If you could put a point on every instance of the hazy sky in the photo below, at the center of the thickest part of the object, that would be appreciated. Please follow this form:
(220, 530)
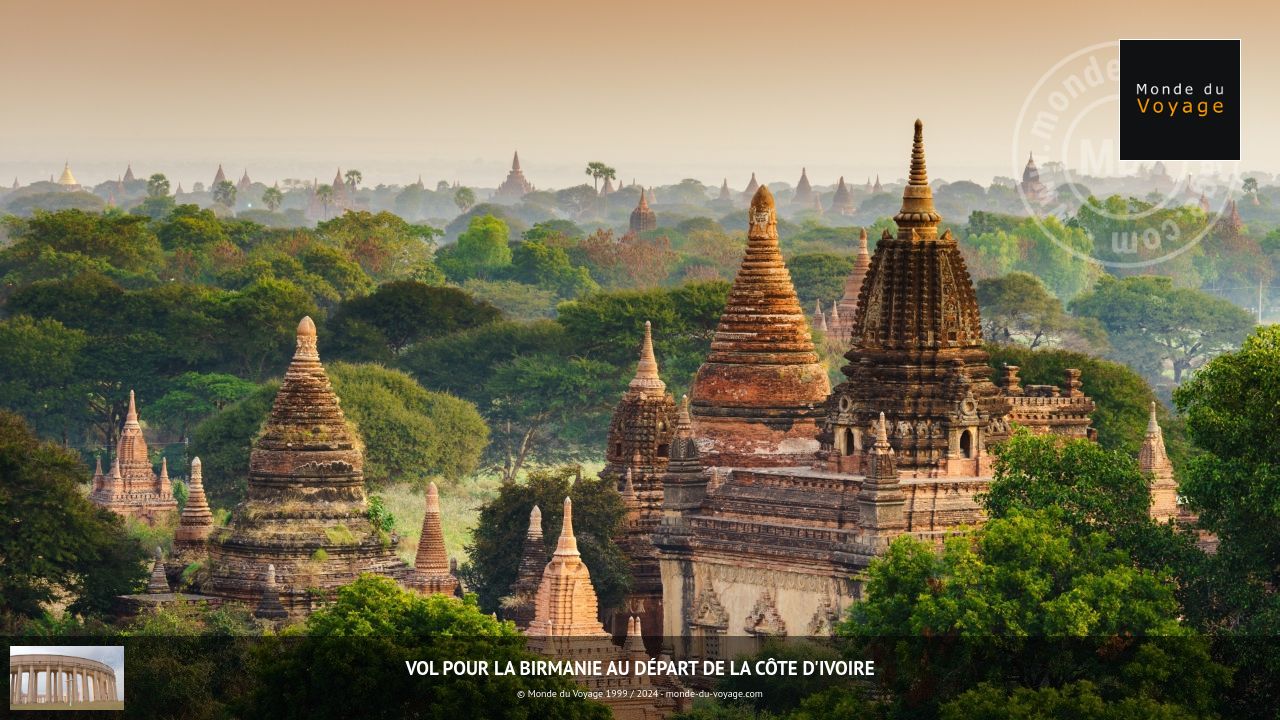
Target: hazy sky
(659, 89)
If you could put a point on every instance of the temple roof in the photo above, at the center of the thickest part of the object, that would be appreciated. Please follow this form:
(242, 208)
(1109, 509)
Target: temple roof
(566, 603)
(128, 174)
(67, 179)
(1030, 174)
(1152, 456)
(917, 294)
(646, 380)
(219, 176)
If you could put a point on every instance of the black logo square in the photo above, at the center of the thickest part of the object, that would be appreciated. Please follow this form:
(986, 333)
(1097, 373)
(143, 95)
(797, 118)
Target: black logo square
(1179, 99)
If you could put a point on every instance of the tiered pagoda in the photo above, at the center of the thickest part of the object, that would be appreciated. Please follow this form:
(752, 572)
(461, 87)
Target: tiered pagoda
(566, 626)
(218, 177)
(515, 186)
(752, 186)
(803, 196)
(519, 606)
(190, 539)
(305, 512)
(758, 397)
(643, 218)
(431, 569)
(132, 488)
(842, 201)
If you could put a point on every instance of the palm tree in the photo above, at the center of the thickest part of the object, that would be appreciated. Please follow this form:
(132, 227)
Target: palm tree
(224, 193)
(325, 193)
(353, 178)
(272, 198)
(464, 198)
(157, 186)
(597, 170)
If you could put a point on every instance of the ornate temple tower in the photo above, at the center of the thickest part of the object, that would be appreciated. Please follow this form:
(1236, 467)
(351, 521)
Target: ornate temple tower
(758, 398)
(842, 200)
(533, 558)
(1153, 460)
(218, 177)
(196, 522)
(566, 605)
(639, 449)
(917, 352)
(515, 186)
(431, 569)
(804, 191)
(752, 186)
(133, 489)
(305, 511)
(1031, 188)
(643, 218)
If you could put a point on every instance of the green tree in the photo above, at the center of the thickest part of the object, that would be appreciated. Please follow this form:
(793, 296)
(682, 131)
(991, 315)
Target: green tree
(189, 227)
(398, 314)
(43, 378)
(1151, 323)
(272, 198)
(464, 198)
(157, 186)
(121, 245)
(481, 251)
(385, 245)
(194, 396)
(1026, 602)
(224, 193)
(1018, 309)
(538, 402)
(325, 194)
(1093, 489)
(1122, 397)
(1232, 406)
(350, 657)
(598, 513)
(409, 434)
(259, 325)
(536, 263)
(819, 277)
(55, 546)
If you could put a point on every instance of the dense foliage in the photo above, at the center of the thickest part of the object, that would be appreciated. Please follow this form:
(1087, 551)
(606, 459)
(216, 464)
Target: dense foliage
(494, 552)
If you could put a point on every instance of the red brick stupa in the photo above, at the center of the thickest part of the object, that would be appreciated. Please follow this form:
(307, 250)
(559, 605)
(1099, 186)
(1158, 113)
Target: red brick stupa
(757, 399)
(305, 512)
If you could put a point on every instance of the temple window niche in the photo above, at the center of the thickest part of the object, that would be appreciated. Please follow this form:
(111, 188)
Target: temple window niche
(966, 443)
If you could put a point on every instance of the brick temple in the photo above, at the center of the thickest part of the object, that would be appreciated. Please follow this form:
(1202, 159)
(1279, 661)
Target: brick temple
(132, 488)
(778, 491)
(515, 186)
(305, 513)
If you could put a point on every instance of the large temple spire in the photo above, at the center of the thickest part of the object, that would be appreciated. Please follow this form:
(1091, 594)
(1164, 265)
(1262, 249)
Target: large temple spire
(646, 379)
(756, 396)
(917, 218)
